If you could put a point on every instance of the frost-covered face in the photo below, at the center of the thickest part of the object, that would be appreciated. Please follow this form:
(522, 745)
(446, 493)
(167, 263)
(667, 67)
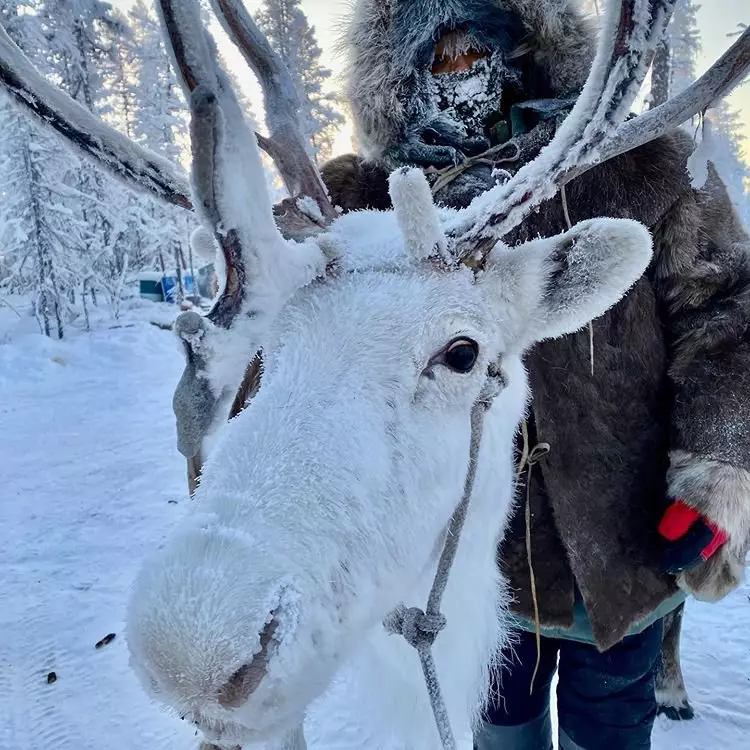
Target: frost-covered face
(469, 81)
(324, 501)
(472, 95)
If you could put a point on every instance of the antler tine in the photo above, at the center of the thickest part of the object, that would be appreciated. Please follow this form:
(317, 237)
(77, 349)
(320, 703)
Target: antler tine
(228, 177)
(135, 165)
(630, 33)
(286, 145)
(716, 83)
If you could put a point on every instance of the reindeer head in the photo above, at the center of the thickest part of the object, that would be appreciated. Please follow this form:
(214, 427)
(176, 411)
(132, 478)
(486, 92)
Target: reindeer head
(327, 497)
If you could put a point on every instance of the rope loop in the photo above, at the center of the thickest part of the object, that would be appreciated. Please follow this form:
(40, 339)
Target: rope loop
(416, 626)
(538, 453)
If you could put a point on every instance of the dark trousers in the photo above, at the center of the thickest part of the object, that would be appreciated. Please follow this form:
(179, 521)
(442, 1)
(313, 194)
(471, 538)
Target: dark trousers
(605, 701)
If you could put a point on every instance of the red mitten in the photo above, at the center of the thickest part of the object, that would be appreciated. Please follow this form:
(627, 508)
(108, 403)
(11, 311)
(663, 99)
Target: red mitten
(690, 538)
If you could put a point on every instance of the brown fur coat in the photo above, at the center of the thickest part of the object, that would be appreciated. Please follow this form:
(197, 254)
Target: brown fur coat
(666, 413)
(671, 382)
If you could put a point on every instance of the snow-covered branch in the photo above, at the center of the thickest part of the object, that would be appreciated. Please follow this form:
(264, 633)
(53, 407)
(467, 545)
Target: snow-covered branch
(286, 144)
(134, 164)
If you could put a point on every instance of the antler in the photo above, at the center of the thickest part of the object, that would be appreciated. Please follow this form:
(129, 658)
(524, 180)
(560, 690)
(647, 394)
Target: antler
(594, 131)
(130, 162)
(231, 196)
(286, 146)
(629, 35)
(228, 176)
(718, 81)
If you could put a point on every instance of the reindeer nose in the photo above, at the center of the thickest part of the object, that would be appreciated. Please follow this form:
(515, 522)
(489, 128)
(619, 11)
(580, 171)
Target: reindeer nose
(245, 681)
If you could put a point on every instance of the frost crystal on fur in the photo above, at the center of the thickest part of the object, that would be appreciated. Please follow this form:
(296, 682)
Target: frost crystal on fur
(417, 215)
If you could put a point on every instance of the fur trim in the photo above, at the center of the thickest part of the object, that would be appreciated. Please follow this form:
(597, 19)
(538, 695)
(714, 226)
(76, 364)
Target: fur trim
(713, 580)
(390, 45)
(721, 493)
(717, 490)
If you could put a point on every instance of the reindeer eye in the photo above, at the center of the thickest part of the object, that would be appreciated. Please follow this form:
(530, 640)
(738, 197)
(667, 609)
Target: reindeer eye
(461, 355)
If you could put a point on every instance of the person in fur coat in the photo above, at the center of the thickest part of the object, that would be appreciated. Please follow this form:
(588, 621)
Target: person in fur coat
(635, 486)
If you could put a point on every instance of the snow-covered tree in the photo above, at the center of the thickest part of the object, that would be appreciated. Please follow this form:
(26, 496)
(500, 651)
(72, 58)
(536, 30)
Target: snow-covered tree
(161, 124)
(68, 230)
(685, 45)
(160, 117)
(290, 34)
(42, 231)
(728, 140)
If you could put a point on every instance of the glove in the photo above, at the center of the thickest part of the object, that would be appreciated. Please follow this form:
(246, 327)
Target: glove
(690, 538)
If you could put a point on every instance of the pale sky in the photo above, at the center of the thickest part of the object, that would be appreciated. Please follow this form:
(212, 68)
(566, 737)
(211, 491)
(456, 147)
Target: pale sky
(716, 18)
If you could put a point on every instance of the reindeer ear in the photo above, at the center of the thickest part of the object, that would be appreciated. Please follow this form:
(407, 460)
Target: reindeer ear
(549, 287)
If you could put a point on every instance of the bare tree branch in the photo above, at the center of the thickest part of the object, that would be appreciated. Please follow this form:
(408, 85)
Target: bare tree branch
(630, 32)
(135, 165)
(286, 144)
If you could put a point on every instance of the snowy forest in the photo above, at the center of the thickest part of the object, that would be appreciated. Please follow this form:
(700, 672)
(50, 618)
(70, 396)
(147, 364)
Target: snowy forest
(71, 237)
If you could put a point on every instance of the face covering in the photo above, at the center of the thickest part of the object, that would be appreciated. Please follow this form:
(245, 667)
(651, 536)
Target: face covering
(469, 87)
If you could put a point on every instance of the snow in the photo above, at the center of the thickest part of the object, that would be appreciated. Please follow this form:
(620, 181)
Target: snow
(92, 482)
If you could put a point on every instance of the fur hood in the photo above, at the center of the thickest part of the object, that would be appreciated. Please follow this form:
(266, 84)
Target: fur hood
(390, 48)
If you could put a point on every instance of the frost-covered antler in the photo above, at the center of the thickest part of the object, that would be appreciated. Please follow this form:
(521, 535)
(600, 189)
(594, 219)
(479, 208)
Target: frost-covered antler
(630, 33)
(228, 177)
(231, 196)
(127, 160)
(285, 144)
(593, 132)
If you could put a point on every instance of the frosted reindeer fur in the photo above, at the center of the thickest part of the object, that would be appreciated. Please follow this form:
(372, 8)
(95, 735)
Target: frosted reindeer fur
(323, 504)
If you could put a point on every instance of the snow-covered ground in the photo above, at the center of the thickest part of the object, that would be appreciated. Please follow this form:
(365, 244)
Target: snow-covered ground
(90, 481)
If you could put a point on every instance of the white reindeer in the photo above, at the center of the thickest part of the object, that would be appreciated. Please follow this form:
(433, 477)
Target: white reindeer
(324, 503)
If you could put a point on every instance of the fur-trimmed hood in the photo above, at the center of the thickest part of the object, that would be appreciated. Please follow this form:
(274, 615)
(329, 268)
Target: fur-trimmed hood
(390, 47)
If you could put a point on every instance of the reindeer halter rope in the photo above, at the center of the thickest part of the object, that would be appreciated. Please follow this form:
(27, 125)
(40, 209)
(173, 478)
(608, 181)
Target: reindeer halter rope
(421, 627)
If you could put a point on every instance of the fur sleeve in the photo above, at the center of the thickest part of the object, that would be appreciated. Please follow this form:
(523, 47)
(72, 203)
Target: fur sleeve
(702, 276)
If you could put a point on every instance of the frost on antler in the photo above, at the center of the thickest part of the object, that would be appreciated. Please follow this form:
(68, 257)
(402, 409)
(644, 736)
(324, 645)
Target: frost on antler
(716, 83)
(286, 145)
(629, 35)
(130, 162)
(262, 269)
(594, 131)
(228, 177)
